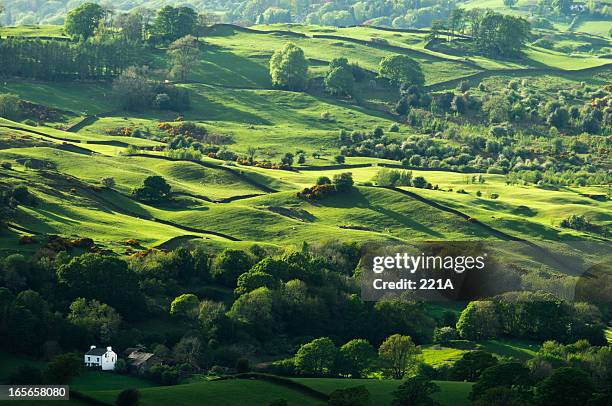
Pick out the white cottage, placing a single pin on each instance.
(100, 357)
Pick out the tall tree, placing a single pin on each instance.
(184, 54)
(316, 357)
(339, 79)
(132, 89)
(400, 69)
(83, 21)
(173, 23)
(289, 68)
(398, 354)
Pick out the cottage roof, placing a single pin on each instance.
(96, 351)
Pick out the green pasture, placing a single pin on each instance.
(381, 391)
(231, 392)
(104, 380)
(597, 27)
(33, 31)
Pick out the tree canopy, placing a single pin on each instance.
(289, 68)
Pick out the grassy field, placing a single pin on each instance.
(231, 392)
(33, 31)
(381, 214)
(102, 381)
(597, 27)
(223, 393)
(451, 393)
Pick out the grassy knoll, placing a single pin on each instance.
(241, 43)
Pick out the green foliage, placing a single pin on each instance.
(415, 391)
(499, 34)
(104, 278)
(274, 15)
(172, 23)
(9, 106)
(100, 320)
(478, 321)
(185, 306)
(339, 80)
(419, 182)
(398, 355)
(391, 177)
(471, 365)
(63, 368)
(128, 397)
(355, 396)
(400, 70)
(512, 375)
(108, 182)
(316, 357)
(132, 89)
(568, 386)
(83, 21)
(153, 189)
(254, 310)
(184, 54)
(250, 281)
(343, 182)
(356, 357)
(444, 335)
(229, 265)
(289, 68)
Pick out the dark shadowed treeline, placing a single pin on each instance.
(42, 59)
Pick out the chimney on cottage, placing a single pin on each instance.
(109, 349)
(92, 347)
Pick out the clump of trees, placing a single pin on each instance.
(184, 54)
(289, 68)
(172, 23)
(341, 183)
(528, 314)
(133, 90)
(391, 178)
(339, 80)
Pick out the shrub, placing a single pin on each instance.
(6, 165)
(128, 397)
(355, 396)
(323, 180)
(340, 159)
(444, 335)
(394, 128)
(419, 182)
(108, 181)
(494, 196)
(343, 182)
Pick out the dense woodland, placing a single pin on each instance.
(399, 14)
